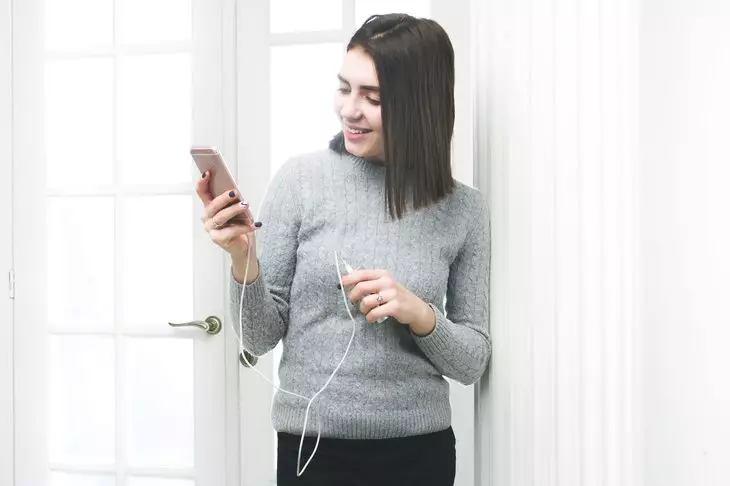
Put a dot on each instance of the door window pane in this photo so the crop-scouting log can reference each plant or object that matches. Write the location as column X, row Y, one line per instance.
column 81, row 410
column 78, row 122
column 159, row 402
column 301, row 16
column 78, row 24
column 155, row 118
column 80, row 267
column 154, row 21
column 303, row 85
column 156, row 260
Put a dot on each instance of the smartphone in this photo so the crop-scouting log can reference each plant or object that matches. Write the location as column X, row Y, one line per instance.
column 221, row 181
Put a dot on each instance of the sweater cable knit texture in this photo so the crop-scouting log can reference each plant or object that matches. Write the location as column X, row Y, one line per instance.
column 392, row 382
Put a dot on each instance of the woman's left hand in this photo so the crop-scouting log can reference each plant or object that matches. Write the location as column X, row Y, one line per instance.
column 380, row 295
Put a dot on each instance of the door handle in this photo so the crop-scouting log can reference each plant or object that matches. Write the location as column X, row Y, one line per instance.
column 251, row 359
column 212, row 325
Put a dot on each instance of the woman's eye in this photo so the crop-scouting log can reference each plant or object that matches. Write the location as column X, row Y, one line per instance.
column 343, row 90
column 373, row 102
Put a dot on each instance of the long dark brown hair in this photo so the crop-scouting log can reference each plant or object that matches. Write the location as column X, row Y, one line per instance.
column 414, row 61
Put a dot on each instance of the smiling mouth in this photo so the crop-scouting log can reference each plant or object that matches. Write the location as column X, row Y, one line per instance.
column 357, row 131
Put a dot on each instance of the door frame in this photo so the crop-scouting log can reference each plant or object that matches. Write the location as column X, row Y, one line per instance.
column 235, row 409
column 6, row 248
column 251, row 42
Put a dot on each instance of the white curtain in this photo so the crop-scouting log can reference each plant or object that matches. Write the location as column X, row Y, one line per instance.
column 556, row 147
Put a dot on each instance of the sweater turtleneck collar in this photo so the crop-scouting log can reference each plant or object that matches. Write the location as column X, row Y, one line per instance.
column 371, row 166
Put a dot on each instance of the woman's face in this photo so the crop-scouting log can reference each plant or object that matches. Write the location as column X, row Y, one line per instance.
column 357, row 104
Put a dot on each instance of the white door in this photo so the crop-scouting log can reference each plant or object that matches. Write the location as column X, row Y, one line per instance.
column 108, row 247
column 288, row 56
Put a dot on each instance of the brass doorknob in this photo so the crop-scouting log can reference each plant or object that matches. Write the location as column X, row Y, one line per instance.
column 251, row 359
column 212, row 325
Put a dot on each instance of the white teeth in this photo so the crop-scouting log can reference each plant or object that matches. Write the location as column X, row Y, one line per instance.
column 357, row 132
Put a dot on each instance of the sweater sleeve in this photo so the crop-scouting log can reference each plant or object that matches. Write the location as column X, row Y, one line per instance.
column 459, row 346
column 264, row 313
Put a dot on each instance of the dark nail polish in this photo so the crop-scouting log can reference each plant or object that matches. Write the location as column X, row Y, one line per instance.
column 204, row 175
column 258, row 224
column 244, row 203
column 232, row 194
column 339, row 287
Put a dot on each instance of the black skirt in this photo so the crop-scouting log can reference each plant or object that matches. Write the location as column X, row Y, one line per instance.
column 423, row 460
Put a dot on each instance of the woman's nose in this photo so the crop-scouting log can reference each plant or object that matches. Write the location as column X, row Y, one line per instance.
column 349, row 109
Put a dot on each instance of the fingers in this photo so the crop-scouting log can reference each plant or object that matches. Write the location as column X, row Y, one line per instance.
column 362, row 275
column 366, row 287
column 237, row 214
column 363, row 289
column 202, row 188
column 388, row 308
column 370, row 302
column 225, row 236
column 219, row 203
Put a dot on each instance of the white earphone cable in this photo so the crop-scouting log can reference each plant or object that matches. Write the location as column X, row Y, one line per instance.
column 300, row 470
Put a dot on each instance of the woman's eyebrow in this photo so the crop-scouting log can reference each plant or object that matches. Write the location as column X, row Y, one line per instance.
column 374, row 89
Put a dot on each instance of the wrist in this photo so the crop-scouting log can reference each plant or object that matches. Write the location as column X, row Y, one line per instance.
column 238, row 264
column 425, row 323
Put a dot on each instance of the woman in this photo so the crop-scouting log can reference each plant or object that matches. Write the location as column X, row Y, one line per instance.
column 383, row 197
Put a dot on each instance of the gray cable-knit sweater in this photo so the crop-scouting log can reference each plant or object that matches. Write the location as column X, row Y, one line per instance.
column 392, row 382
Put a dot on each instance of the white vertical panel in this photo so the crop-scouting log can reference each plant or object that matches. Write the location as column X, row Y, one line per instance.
column 31, row 355
column 229, row 71
column 252, row 172
column 567, row 282
column 542, row 146
column 685, row 236
column 520, row 234
column 590, row 197
column 212, row 109
column 631, row 328
column 486, row 58
column 556, row 124
column 612, row 195
column 495, row 404
column 6, row 256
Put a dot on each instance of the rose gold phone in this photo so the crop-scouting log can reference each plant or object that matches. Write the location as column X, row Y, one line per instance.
column 221, row 181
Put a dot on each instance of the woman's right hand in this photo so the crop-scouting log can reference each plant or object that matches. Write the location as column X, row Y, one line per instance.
column 218, row 219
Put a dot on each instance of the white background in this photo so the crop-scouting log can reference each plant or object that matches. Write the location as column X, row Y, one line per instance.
column 685, row 244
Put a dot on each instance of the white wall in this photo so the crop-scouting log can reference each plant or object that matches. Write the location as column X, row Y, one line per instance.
column 556, row 126
column 685, row 248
